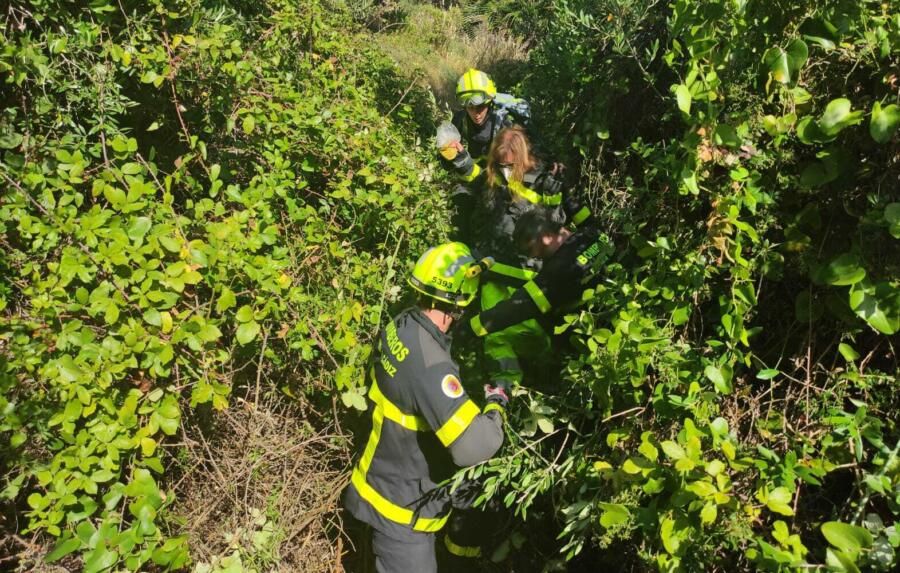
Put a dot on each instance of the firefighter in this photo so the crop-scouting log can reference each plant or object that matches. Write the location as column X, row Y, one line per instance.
column 515, row 183
column 465, row 142
column 424, row 425
column 573, row 261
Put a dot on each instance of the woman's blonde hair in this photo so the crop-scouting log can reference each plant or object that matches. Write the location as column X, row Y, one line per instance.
column 514, row 141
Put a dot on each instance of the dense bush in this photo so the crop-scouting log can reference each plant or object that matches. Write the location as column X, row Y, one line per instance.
column 732, row 401
column 198, row 197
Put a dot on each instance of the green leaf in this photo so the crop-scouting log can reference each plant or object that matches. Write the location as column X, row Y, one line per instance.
column 613, row 514
column 683, row 97
column 878, row 305
column 709, row 513
column 10, row 140
column 884, row 122
column 837, row 116
column 247, row 331
column 809, row 132
column 779, row 65
column 62, row 548
column 139, row 228
column 778, row 501
column 845, row 269
column 669, row 537
column 892, row 218
column 720, row 376
column 226, row 301
column 840, row 562
column 767, row 374
column 248, row 124
column 848, row 352
column 131, row 168
column 673, row 450
column 850, row 539
column 244, row 314
column 100, row 559
column 114, row 195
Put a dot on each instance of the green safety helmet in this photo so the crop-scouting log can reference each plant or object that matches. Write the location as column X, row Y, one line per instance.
column 475, row 88
column 448, row 273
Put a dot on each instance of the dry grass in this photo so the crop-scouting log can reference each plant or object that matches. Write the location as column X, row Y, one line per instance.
column 265, row 485
column 441, row 44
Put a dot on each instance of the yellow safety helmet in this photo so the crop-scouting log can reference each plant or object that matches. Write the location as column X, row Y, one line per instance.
column 448, row 273
column 475, row 88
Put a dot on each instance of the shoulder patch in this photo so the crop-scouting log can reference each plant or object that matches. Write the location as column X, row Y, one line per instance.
column 451, row 386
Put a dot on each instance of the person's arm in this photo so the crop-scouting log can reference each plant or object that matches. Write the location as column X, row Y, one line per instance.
column 470, row 434
column 520, row 307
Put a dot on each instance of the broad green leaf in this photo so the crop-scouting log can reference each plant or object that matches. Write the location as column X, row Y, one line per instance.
column 798, row 52
column 809, row 132
column 247, row 331
column 778, row 500
column 878, row 305
column 100, row 559
column 152, row 317
column 244, row 314
column 837, row 116
column 719, row 427
column 613, row 514
column 884, row 122
column 709, row 513
column 683, row 97
column 226, row 300
column 10, row 140
column 714, row 467
column 720, row 376
column 114, row 195
column 139, row 228
column 673, row 450
column 669, row 537
column 701, row 488
column 892, row 218
column 62, row 548
column 840, row 562
column 850, row 539
column 779, row 65
column 248, row 124
column 845, row 269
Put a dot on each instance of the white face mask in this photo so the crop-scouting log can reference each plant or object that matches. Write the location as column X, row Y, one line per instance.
column 507, row 171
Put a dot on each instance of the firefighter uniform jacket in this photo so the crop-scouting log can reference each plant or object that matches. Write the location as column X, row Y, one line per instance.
column 575, row 267
column 424, row 426
column 496, row 217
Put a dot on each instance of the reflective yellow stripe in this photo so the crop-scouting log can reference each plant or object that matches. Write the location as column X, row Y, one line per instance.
column 394, row 414
column 458, row 423
column 519, row 188
column 477, row 327
column 512, row 272
column 476, row 171
column 581, row 215
column 391, row 510
column 538, row 296
column 431, row 524
column 377, row 420
column 459, row 550
column 493, row 406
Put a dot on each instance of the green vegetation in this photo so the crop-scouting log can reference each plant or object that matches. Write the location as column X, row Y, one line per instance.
column 189, row 190
column 208, row 206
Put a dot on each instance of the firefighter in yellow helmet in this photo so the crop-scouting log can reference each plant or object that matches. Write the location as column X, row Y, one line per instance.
column 424, row 425
column 464, row 142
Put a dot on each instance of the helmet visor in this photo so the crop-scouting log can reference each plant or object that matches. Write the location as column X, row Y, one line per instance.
column 473, row 99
